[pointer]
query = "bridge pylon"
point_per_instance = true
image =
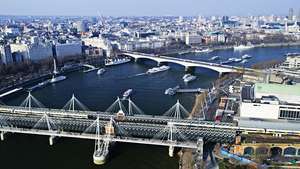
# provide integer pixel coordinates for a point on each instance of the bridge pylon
(171, 135)
(74, 104)
(46, 123)
(177, 111)
(117, 108)
(30, 101)
(133, 108)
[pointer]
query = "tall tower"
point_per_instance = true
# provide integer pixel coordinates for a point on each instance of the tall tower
(291, 14)
(5, 54)
(298, 17)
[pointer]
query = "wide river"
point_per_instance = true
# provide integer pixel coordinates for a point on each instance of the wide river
(98, 93)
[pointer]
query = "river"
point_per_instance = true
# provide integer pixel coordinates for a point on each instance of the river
(97, 93)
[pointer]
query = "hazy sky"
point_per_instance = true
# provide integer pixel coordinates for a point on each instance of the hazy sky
(147, 7)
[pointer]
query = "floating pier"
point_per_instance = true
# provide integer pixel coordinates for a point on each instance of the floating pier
(174, 90)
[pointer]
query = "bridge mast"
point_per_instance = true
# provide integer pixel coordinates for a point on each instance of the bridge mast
(30, 101)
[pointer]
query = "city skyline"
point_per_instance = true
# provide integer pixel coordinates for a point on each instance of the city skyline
(146, 8)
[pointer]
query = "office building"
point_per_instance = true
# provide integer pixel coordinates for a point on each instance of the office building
(82, 26)
(68, 49)
(193, 39)
(270, 101)
(292, 62)
(291, 14)
(6, 54)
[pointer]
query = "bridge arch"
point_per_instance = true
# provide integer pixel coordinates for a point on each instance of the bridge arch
(171, 63)
(261, 151)
(185, 62)
(146, 59)
(248, 151)
(275, 151)
(289, 151)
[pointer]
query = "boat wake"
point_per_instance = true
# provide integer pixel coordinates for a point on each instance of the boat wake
(136, 75)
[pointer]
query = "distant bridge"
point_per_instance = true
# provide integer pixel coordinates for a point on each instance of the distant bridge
(187, 63)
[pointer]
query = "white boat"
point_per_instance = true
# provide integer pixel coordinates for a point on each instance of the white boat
(116, 61)
(214, 58)
(235, 59)
(244, 61)
(188, 78)
(10, 92)
(171, 91)
(226, 62)
(90, 70)
(184, 52)
(39, 85)
(56, 78)
(158, 69)
(100, 71)
(246, 56)
(231, 60)
(243, 47)
(203, 50)
(127, 93)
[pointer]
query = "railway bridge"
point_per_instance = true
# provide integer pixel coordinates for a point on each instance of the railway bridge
(119, 123)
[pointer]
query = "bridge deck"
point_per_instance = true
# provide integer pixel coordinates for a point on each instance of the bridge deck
(189, 63)
(94, 137)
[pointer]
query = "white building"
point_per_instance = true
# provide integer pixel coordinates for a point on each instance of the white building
(68, 49)
(142, 44)
(36, 51)
(292, 62)
(193, 39)
(97, 42)
(271, 101)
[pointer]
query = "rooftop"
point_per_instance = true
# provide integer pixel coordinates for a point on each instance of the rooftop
(277, 89)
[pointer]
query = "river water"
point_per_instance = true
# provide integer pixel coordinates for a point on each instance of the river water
(97, 93)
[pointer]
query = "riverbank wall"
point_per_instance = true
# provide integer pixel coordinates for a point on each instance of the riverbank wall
(227, 47)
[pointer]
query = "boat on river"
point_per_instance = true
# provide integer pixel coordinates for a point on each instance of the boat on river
(127, 93)
(188, 78)
(243, 47)
(214, 58)
(158, 69)
(101, 71)
(116, 61)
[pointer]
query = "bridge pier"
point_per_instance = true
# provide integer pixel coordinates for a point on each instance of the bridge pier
(101, 152)
(51, 140)
(220, 74)
(161, 64)
(188, 69)
(171, 151)
(2, 136)
(199, 163)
